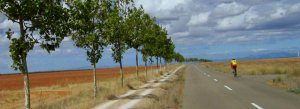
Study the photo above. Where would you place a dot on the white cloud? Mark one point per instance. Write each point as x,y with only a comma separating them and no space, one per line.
3,40
162,7
219,53
199,19
67,39
238,39
280,12
181,34
295,8
229,9
6,24
258,49
2,17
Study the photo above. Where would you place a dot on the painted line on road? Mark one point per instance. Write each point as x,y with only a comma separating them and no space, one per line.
227,87
256,106
216,80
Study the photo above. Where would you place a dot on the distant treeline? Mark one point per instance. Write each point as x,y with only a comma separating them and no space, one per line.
197,59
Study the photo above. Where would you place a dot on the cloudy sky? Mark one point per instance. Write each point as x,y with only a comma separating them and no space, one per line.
223,29
213,29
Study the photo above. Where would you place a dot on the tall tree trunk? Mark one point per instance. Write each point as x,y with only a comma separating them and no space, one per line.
160,64
95,81
121,72
152,68
26,84
25,68
165,65
137,63
146,68
157,64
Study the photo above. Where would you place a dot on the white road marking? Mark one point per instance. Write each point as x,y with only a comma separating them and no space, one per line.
227,87
256,106
130,104
216,80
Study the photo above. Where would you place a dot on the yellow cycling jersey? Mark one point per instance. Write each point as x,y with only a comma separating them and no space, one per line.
233,62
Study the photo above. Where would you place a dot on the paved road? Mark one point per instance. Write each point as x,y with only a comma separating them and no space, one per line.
208,89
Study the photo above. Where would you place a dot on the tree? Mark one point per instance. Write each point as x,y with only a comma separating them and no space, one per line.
45,19
148,39
160,38
117,30
135,22
178,57
168,51
88,19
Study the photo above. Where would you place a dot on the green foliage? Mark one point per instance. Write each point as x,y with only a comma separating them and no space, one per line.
88,20
295,90
179,58
116,28
19,49
46,19
136,31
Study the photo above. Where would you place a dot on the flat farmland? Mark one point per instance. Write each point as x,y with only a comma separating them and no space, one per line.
69,89
44,79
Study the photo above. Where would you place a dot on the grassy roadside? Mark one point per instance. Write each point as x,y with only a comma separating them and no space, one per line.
170,96
286,69
75,96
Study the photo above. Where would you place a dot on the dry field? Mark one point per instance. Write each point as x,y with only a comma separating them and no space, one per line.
15,81
169,97
287,69
69,89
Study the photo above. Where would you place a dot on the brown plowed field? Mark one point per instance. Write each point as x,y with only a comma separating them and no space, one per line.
40,79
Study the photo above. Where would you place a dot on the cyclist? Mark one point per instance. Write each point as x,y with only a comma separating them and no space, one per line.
234,66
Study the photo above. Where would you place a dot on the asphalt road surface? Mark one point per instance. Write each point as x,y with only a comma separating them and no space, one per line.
208,89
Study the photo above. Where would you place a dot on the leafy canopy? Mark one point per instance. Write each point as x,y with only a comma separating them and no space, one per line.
41,22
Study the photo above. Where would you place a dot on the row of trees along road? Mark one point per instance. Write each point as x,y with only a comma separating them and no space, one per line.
92,24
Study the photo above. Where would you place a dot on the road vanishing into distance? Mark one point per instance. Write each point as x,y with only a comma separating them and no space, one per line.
209,89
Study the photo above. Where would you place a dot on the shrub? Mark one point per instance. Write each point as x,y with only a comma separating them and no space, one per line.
277,79
295,90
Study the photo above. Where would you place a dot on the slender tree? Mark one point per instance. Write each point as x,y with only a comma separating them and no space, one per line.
45,19
145,59
134,40
160,37
88,29
117,30
149,39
